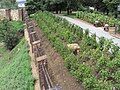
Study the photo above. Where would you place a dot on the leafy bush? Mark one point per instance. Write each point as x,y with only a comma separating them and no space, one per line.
10,32
92,17
118,30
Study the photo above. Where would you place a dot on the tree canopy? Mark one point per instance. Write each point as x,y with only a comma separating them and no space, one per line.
8,4
68,5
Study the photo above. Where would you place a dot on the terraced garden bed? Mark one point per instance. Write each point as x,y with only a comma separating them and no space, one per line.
97,64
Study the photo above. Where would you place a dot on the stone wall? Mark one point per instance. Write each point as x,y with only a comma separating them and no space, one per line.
2,13
14,15
11,14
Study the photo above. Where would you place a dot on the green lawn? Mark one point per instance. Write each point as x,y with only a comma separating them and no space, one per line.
3,50
72,15
15,69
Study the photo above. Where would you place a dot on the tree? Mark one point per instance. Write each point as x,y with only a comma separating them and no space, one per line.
112,5
56,5
8,4
33,5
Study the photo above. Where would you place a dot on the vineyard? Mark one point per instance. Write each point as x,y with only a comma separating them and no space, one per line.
60,45
96,66
92,17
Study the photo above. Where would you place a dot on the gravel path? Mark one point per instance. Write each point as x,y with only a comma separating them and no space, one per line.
98,31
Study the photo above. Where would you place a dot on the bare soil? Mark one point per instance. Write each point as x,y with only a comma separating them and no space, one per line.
112,32
58,72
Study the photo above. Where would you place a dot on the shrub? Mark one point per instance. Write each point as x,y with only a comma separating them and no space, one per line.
9,32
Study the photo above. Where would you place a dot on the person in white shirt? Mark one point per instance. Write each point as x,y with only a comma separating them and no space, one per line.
96,23
106,27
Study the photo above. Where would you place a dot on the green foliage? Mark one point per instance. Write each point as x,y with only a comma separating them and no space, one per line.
118,30
112,5
16,69
90,83
10,32
8,4
97,63
52,5
33,5
3,50
92,17
18,25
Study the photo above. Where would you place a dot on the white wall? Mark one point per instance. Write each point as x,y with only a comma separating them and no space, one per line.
2,13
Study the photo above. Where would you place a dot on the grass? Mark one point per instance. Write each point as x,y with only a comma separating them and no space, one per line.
72,15
3,50
18,25
15,69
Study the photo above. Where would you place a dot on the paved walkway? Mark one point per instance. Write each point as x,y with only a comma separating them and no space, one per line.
94,30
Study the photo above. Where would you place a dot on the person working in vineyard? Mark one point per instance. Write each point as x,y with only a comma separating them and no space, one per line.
106,27
75,47
96,23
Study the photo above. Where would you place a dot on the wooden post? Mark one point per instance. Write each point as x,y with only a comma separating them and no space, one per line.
40,62
35,44
30,28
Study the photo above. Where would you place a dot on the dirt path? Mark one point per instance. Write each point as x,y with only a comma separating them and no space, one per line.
60,74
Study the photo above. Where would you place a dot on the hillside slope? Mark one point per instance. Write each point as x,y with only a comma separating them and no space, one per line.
15,69
3,50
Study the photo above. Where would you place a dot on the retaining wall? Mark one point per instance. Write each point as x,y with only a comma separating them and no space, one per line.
11,14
